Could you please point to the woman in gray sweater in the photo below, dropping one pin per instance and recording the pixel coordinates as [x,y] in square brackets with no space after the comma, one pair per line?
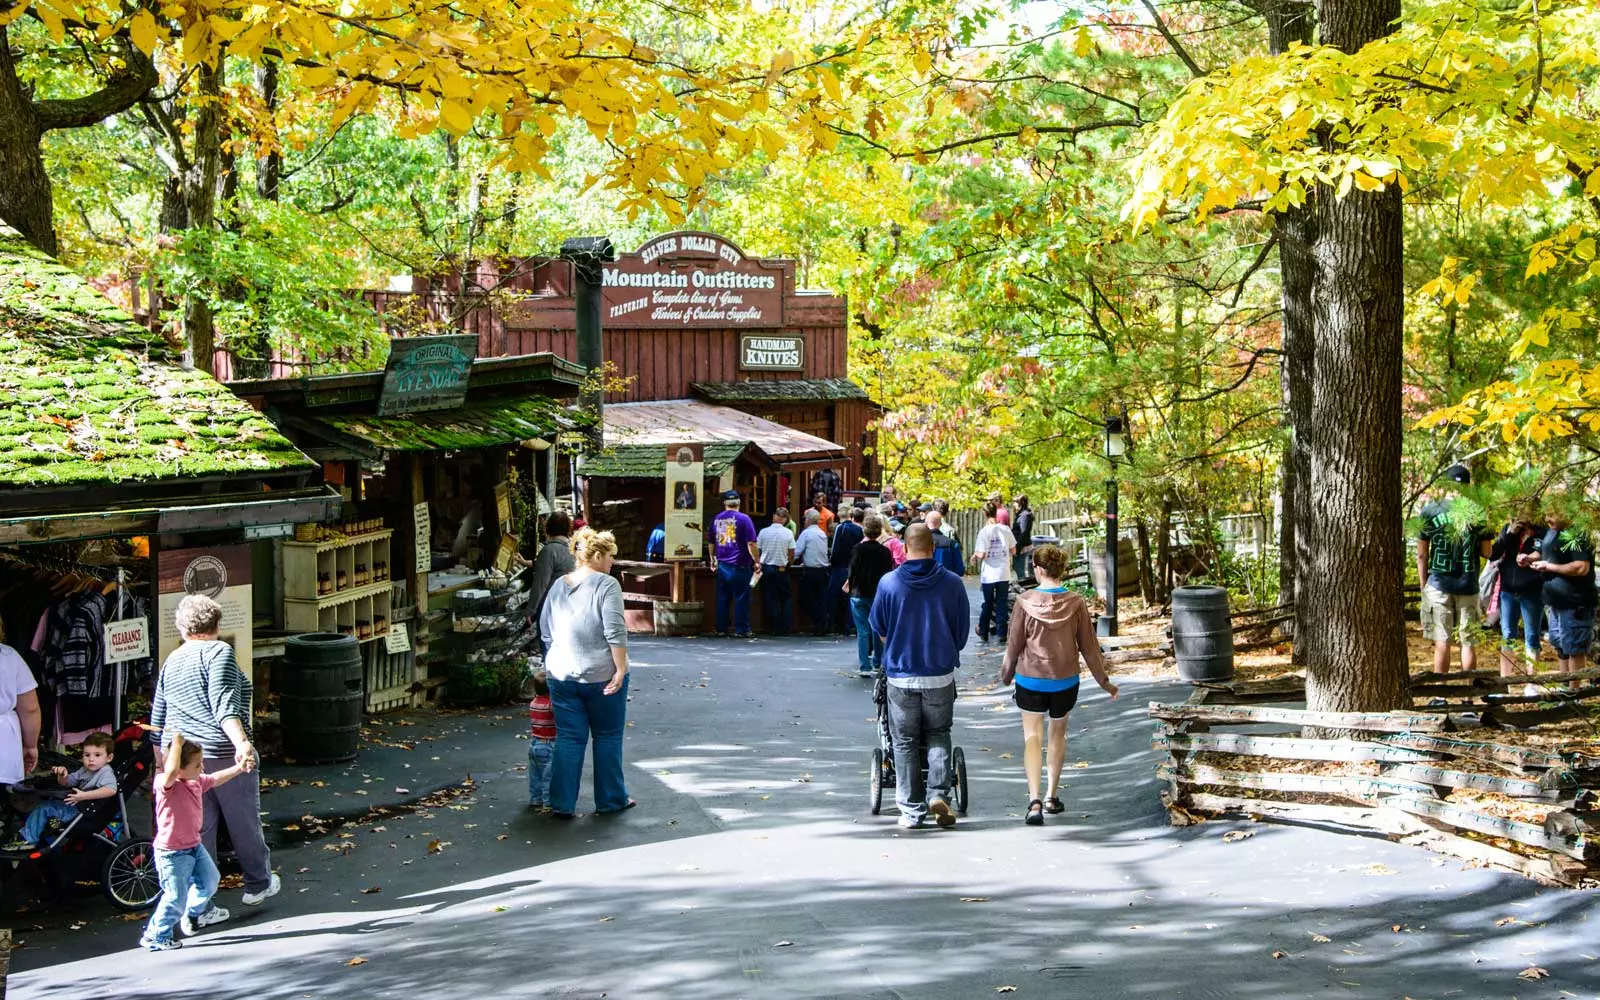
[586,658]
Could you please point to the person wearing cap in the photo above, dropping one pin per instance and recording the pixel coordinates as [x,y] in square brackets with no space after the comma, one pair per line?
[733,537]
[1448,560]
[775,545]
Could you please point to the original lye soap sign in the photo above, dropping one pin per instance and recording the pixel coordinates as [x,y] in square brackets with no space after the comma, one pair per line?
[427,373]
[692,280]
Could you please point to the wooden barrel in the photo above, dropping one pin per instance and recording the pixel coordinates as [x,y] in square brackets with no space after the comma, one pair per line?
[680,617]
[1202,634]
[1127,569]
[319,697]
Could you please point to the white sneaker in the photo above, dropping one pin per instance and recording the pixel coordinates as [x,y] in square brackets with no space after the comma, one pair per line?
[1534,690]
[909,823]
[257,898]
[190,926]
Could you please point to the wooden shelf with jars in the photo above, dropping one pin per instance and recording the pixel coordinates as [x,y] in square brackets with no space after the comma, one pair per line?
[339,585]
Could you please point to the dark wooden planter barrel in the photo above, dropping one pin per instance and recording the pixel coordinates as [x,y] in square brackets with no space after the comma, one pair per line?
[1202,634]
[319,697]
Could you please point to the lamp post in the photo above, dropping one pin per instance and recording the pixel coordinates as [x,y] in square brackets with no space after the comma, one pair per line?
[1116,447]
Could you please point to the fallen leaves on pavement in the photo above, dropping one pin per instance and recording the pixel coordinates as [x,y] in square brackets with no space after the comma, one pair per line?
[1533,973]
[1234,836]
[358,960]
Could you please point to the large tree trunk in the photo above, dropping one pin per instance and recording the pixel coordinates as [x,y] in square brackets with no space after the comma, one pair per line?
[1356,649]
[24,186]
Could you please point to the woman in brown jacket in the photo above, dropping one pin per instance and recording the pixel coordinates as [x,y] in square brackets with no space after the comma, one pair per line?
[1050,629]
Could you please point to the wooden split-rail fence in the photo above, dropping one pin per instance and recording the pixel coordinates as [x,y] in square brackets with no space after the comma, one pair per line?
[1412,777]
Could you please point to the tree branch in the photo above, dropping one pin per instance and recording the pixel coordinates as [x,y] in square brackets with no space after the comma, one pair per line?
[1067,130]
[1172,40]
[121,91]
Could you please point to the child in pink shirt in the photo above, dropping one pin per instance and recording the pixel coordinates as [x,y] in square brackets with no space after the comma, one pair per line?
[188,874]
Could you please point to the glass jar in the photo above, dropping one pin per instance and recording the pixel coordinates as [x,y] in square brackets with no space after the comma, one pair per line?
[324,584]
[341,581]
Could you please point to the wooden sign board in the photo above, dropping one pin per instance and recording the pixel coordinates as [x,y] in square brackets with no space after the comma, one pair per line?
[426,373]
[764,353]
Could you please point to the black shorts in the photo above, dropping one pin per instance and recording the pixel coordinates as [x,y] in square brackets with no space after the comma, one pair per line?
[1056,703]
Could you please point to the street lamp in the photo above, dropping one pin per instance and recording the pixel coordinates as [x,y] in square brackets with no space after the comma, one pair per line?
[1116,447]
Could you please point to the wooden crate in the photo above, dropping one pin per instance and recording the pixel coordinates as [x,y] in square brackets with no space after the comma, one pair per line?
[304,610]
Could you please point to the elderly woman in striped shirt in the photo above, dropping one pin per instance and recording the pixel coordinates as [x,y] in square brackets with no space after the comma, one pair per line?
[202,693]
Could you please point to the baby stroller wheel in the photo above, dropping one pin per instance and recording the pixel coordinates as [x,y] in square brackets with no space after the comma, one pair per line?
[875,787]
[130,881]
[958,768]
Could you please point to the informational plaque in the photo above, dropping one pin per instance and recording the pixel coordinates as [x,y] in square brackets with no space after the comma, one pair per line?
[684,524]
[422,519]
[398,640]
[222,574]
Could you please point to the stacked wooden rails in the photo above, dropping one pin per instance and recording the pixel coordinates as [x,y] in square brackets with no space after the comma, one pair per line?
[1421,776]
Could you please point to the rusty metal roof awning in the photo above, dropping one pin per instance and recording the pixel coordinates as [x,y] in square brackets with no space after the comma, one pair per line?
[691,421]
[649,461]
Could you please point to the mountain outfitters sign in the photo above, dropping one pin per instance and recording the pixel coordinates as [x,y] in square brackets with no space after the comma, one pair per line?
[692,280]
[765,353]
[426,373]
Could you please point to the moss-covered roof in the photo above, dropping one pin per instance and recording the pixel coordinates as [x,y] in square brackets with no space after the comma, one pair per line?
[88,396]
[779,390]
[478,425]
[649,461]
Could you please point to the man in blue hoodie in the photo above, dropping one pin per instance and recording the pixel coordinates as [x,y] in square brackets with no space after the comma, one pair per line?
[921,611]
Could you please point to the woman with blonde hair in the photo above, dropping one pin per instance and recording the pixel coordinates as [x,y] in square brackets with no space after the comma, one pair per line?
[586,658]
[1051,628]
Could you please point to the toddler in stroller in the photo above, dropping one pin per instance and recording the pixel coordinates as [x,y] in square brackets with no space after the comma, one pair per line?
[94,840]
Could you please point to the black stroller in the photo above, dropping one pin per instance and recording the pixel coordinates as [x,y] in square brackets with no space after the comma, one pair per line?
[883,759]
[98,845]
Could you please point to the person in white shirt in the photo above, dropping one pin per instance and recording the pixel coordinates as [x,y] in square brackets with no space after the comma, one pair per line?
[994,549]
[811,554]
[775,548]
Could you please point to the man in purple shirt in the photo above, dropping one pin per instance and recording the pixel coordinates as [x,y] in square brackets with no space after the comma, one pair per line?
[733,537]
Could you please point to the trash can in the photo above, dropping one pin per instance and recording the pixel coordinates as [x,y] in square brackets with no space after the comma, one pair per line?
[320,697]
[1202,634]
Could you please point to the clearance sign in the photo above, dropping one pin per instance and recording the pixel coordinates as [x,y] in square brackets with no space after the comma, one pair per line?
[692,280]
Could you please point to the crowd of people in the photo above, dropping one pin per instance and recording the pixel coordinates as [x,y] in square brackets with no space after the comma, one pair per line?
[812,566]
[1535,579]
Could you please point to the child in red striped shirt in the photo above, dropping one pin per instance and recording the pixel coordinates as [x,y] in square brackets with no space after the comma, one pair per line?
[541,743]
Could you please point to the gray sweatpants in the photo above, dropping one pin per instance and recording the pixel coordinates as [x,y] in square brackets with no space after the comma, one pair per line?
[238,804]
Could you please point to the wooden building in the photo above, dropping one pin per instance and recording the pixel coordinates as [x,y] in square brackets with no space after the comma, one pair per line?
[689,316]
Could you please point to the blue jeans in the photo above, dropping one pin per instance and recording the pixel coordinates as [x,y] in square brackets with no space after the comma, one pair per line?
[188,881]
[43,813]
[581,709]
[1528,607]
[996,610]
[918,720]
[733,588]
[540,755]
[867,645]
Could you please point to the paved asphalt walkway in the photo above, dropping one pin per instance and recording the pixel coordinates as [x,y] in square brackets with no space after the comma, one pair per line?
[752,869]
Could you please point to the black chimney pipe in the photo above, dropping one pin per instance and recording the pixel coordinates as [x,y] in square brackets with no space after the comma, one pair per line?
[587,254]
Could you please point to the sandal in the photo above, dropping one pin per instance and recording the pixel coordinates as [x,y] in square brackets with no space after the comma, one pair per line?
[1053,805]
[1035,815]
